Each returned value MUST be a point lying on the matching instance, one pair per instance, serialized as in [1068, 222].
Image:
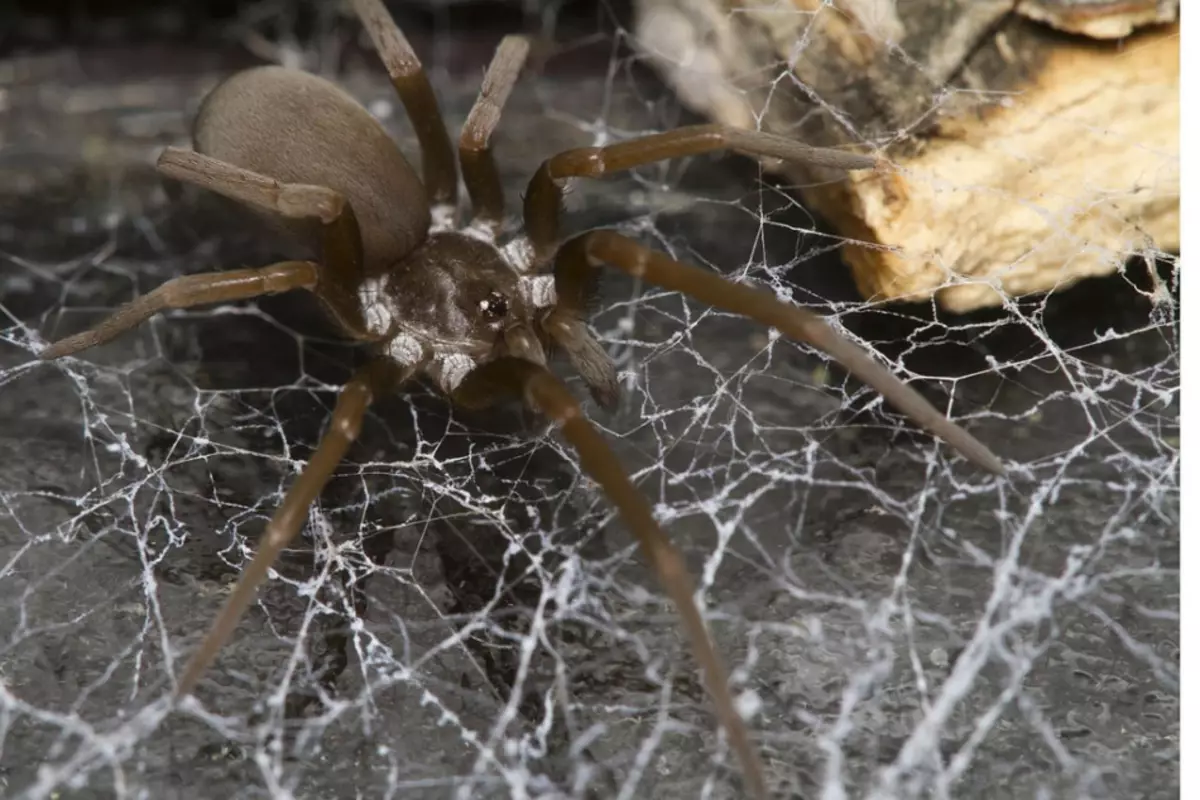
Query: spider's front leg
[541, 390]
[579, 257]
[368, 384]
[413, 87]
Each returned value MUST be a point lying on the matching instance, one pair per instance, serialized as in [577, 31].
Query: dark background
[1026, 626]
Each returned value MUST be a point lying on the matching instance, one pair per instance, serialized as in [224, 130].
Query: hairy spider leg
[416, 93]
[542, 391]
[474, 145]
[579, 256]
[567, 324]
[570, 332]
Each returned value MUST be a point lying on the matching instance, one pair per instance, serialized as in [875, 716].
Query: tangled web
[463, 616]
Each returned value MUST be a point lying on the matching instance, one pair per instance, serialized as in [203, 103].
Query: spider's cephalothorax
[395, 272]
[459, 301]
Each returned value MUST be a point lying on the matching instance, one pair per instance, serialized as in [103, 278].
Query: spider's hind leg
[342, 268]
[336, 279]
[188, 291]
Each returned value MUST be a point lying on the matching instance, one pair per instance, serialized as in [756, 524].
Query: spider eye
[495, 306]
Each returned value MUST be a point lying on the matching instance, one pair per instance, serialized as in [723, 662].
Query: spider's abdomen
[299, 128]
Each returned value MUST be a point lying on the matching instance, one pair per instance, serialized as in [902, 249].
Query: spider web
[463, 616]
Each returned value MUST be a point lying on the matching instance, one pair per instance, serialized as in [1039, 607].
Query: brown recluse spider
[452, 303]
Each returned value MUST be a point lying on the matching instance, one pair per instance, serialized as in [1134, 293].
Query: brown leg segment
[288, 200]
[369, 383]
[543, 198]
[412, 84]
[584, 253]
[588, 358]
[540, 389]
[188, 291]
[474, 148]
[341, 242]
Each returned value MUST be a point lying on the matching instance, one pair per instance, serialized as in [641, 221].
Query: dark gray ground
[910, 627]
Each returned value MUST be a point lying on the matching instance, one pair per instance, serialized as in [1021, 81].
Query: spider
[454, 304]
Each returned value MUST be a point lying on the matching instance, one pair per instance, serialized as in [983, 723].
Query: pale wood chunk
[1023, 160]
[1079, 174]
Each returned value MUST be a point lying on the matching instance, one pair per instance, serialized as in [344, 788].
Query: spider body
[454, 303]
[439, 299]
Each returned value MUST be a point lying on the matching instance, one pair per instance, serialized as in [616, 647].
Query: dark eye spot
[495, 306]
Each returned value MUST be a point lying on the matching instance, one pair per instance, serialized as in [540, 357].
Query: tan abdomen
[298, 128]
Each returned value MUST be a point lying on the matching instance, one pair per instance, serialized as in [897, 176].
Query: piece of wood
[1024, 159]
[1100, 19]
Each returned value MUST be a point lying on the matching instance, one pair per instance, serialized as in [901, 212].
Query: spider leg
[341, 243]
[474, 148]
[188, 291]
[368, 384]
[569, 331]
[546, 393]
[543, 198]
[580, 255]
[412, 85]
[296, 201]
[566, 323]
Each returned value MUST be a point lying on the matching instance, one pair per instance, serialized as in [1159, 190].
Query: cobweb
[463, 615]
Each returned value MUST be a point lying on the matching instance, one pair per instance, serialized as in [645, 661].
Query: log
[1022, 159]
